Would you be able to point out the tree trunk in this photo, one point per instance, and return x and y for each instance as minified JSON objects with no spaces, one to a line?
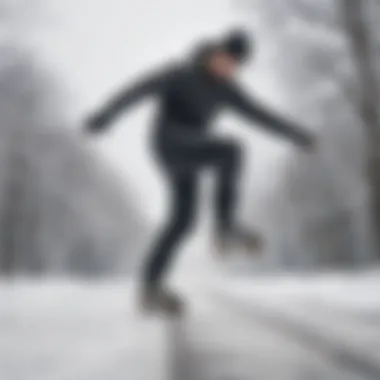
{"x":361,"y":46}
{"x":9,"y":218}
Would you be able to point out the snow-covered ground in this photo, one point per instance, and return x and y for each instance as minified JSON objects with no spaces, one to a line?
{"x":235,"y":329}
{"x":352,"y":291}
{"x":339,"y":312}
{"x":76,"y":330}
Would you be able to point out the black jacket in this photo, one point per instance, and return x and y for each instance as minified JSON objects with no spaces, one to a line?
{"x":189,"y":97}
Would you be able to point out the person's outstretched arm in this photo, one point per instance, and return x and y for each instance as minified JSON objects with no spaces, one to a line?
{"x":152,"y":85}
{"x":250,"y":108}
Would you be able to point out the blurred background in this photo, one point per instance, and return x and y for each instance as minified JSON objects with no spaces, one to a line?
{"x":76,"y":206}
{"x":71,"y":205}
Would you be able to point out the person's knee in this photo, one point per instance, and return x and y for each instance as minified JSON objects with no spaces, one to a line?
{"x":183,"y":222}
{"x":232,"y":155}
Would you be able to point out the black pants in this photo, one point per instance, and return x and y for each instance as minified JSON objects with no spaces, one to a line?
{"x":183,"y":159}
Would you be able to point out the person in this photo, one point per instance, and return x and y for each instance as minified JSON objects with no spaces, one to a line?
{"x":190,"y":94}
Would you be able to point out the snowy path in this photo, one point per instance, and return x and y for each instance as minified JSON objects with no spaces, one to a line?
{"x":74,"y":331}
{"x":338,"y":314}
{"x":79,"y":331}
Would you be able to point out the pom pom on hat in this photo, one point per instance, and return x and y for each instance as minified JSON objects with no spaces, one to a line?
{"x":237,"y":43}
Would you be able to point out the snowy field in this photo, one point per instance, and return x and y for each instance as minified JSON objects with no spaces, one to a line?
{"x":235,"y":330}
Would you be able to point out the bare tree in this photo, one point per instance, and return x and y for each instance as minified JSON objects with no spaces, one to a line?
{"x":319,"y":78}
{"x":61,"y":208}
{"x":362,"y":45}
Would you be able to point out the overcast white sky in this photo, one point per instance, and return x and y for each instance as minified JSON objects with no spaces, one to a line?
{"x":96,"y":47}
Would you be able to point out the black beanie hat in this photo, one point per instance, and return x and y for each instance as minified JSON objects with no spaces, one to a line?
{"x":237,"y":43}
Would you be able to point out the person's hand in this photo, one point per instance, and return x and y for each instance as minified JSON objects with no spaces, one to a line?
{"x":311,"y":145}
{"x":96,"y":123}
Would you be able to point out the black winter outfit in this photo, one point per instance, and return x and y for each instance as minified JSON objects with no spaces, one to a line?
{"x":189,"y":96}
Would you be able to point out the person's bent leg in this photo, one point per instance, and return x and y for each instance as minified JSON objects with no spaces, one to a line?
{"x":224,"y":157}
{"x":228,"y":228}
{"x":229,"y":169}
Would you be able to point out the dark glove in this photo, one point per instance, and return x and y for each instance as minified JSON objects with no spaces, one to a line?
{"x":96,"y":123}
{"x":305,"y":140}
{"x":310,"y":143}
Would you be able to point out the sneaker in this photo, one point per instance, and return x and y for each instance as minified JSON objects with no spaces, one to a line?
{"x":221,"y":245}
{"x":157,"y":299}
{"x":249,"y":241}
{"x":252,"y":241}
